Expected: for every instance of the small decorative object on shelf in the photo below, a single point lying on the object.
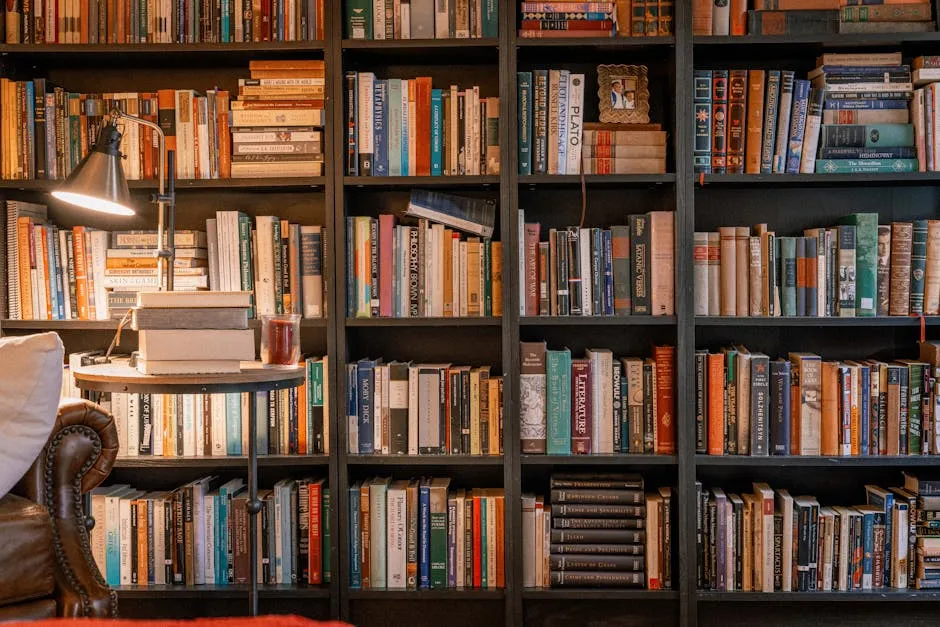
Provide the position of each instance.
(598, 530)
(598, 404)
(280, 341)
(748, 404)
(623, 94)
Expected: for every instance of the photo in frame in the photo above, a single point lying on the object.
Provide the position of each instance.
(623, 94)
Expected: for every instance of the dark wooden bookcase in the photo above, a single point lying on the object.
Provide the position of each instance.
(788, 202)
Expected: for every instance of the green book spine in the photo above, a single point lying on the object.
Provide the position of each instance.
(918, 266)
(483, 538)
(491, 18)
(788, 276)
(914, 413)
(866, 262)
(245, 261)
(326, 536)
(866, 135)
(865, 166)
(359, 19)
(559, 402)
(731, 404)
(438, 544)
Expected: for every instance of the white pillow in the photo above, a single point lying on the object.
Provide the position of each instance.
(30, 385)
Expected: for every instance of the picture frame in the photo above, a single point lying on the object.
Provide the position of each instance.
(623, 94)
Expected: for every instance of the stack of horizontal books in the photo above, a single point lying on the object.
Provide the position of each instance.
(623, 149)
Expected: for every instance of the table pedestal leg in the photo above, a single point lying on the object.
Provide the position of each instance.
(254, 506)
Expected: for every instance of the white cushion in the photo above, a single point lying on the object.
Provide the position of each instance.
(30, 386)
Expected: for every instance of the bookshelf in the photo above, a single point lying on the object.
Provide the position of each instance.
(701, 203)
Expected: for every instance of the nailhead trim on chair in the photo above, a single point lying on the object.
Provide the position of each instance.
(79, 514)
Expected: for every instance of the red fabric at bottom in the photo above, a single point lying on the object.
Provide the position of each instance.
(260, 621)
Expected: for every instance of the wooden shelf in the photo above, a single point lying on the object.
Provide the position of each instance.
(450, 594)
(808, 180)
(598, 594)
(151, 49)
(806, 321)
(419, 44)
(111, 325)
(599, 321)
(597, 42)
(419, 181)
(853, 596)
(814, 461)
(443, 461)
(488, 321)
(595, 180)
(598, 460)
(300, 591)
(892, 40)
(246, 184)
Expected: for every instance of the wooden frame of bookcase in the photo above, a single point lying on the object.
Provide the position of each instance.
(683, 605)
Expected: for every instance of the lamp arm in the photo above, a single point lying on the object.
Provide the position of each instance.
(165, 222)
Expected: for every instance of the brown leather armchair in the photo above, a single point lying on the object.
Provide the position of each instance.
(46, 565)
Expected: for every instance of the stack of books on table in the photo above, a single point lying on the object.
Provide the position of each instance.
(278, 119)
(421, 534)
(193, 332)
(197, 534)
(810, 17)
(598, 531)
(598, 404)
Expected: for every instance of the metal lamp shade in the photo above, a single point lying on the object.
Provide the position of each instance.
(98, 182)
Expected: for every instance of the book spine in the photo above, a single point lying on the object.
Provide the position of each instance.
(755, 121)
(719, 121)
(797, 125)
(736, 126)
(918, 266)
(785, 109)
(702, 95)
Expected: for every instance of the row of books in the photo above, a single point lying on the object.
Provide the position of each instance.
(770, 540)
(858, 268)
(289, 422)
(197, 534)
(598, 531)
(47, 130)
(405, 408)
(276, 120)
(427, 270)
(551, 121)
(810, 17)
(621, 18)
(749, 404)
(167, 22)
(851, 115)
(404, 127)
(598, 404)
(421, 534)
(624, 270)
(421, 19)
(281, 263)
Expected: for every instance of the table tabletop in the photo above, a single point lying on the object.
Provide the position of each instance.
(119, 376)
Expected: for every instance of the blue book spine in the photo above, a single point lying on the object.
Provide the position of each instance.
(424, 536)
(887, 504)
(365, 380)
(233, 424)
(608, 266)
(562, 146)
(558, 402)
(702, 103)
(852, 105)
(394, 127)
(865, 419)
(380, 128)
(51, 169)
(797, 125)
(225, 22)
(483, 560)
(262, 411)
(30, 126)
(437, 133)
(524, 97)
(355, 539)
(780, 407)
(61, 280)
(405, 136)
(868, 548)
(491, 18)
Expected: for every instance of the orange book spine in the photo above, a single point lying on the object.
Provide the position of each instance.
(496, 266)
(225, 136)
(716, 404)
(423, 125)
(365, 530)
(83, 18)
(500, 548)
(664, 356)
(701, 17)
(738, 17)
(81, 276)
(197, 162)
(755, 121)
(24, 228)
(166, 107)
(142, 537)
(855, 431)
(830, 427)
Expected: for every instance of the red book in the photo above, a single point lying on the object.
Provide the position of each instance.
(719, 121)
(581, 406)
(532, 269)
(716, 404)
(386, 233)
(477, 543)
(737, 114)
(315, 553)
(665, 357)
(568, 25)
(423, 125)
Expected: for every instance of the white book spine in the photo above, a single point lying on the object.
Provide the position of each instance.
(810, 143)
(378, 19)
(159, 542)
(366, 95)
(209, 515)
(199, 532)
(575, 122)
(607, 396)
(412, 410)
(584, 250)
(124, 529)
(378, 425)
(156, 412)
(98, 532)
(189, 426)
(441, 20)
(464, 284)
(379, 531)
(63, 269)
(396, 577)
(384, 410)
(133, 425)
(460, 533)
(119, 412)
(491, 540)
(721, 17)
(529, 533)
(40, 285)
(218, 425)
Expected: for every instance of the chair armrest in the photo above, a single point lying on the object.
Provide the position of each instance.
(77, 458)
